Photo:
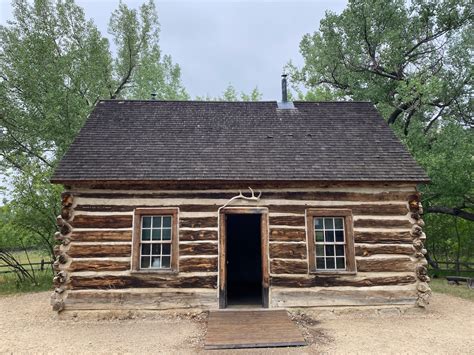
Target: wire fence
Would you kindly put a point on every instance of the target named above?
(43, 264)
(451, 268)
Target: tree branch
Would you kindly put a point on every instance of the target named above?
(394, 115)
(28, 150)
(455, 211)
(129, 72)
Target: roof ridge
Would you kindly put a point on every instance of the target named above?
(197, 101)
(236, 102)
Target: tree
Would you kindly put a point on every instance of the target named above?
(413, 60)
(54, 66)
(139, 68)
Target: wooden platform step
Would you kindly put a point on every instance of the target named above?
(251, 329)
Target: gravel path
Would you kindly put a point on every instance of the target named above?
(27, 325)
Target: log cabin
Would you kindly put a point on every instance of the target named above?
(187, 204)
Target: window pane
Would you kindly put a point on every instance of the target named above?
(156, 222)
(338, 224)
(320, 263)
(330, 263)
(340, 250)
(145, 234)
(339, 236)
(329, 236)
(166, 249)
(318, 223)
(156, 262)
(320, 250)
(145, 262)
(319, 236)
(165, 262)
(340, 264)
(145, 249)
(146, 222)
(166, 233)
(167, 222)
(329, 250)
(156, 234)
(156, 249)
(328, 223)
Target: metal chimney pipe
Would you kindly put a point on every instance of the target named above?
(284, 90)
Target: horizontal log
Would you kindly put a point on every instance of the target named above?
(106, 208)
(274, 195)
(331, 281)
(140, 299)
(360, 210)
(287, 250)
(198, 264)
(66, 213)
(67, 199)
(385, 264)
(278, 266)
(129, 208)
(198, 249)
(200, 222)
(88, 221)
(382, 223)
(144, 280)
(102, 250)
(383, 237)
(98, 265)
(298, 221)
(369, 250)
(212, 207)
(370, 296)
(187, 235)
(101, 236)
(236, 185)
(287, 235)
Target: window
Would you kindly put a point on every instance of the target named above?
(330, 240)
(155, 240)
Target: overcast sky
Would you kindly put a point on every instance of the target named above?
(220, 42)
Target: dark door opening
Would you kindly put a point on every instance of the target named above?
(244, 260)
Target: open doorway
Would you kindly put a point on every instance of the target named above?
(244, 260)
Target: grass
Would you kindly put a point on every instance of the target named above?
(9, 283)
(442, 286)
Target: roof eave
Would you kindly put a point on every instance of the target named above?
(198, 182)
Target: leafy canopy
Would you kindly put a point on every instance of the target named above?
(54, 66)
(412, 59)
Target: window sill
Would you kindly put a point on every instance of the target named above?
(329, 273)
(154, 272)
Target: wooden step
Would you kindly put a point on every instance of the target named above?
(251, 329)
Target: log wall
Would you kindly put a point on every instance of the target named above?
(93, 261)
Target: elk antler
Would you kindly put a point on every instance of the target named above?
(241, 196)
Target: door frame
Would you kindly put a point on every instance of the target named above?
(263, 212)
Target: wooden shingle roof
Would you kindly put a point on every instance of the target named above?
(195, 140)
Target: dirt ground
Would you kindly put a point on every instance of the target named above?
(27, 325)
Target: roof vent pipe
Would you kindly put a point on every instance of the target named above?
(284, 104)
(284, 90)
(153, 95)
